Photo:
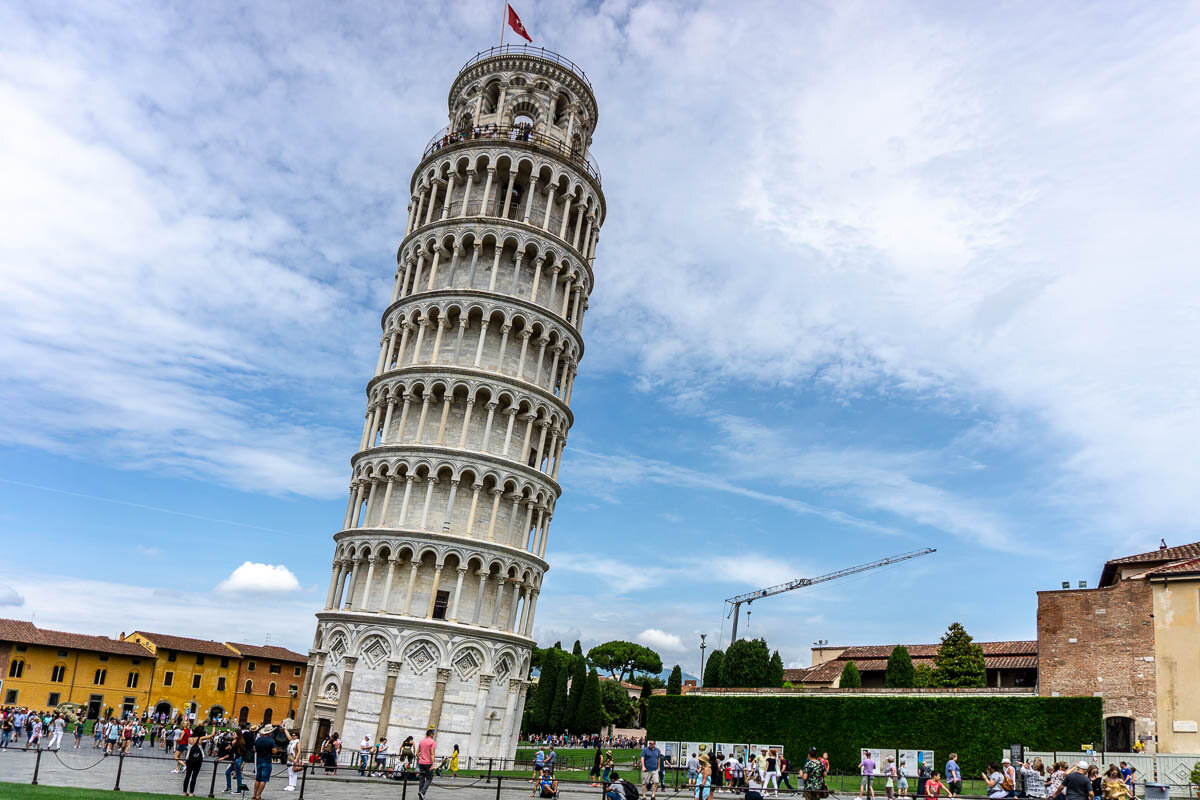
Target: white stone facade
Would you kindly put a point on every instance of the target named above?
(437, 570)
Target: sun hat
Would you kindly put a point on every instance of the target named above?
(1083, 765)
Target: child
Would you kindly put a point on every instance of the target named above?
(934, 787)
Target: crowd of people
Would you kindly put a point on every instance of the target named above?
(582, 740)
(520, 132)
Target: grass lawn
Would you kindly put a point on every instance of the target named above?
(23, 791)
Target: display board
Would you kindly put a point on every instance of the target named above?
(878, 754)
(699, 748)
(909, 761)
(733, 749)
(672, 750)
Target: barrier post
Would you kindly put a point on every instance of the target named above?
(303, 778)
(404, 788)
(120, 763)
(489, 775)
(499, 778)
(213, 783)
(37, 764)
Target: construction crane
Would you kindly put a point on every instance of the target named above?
(800, 583)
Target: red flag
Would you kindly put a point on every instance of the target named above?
(514, 22)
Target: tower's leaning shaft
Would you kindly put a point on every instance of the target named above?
(429, 615)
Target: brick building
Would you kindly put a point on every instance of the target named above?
(1009, 664)
(268, 683)
(1133, 640)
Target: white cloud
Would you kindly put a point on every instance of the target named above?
(660, 640)
(10, 596)
(260, 578)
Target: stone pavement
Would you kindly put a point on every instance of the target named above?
(86, 769)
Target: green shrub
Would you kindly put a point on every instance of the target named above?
(977, 728)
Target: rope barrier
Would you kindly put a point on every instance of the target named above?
(78, 769)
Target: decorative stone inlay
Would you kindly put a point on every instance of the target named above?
(467, 664)
(375, 651)
(503, 668)
(420, 658)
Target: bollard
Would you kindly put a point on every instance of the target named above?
(404, 788)
(213, 784)
(120, 763)
(499, 778)
(303, 778)
(489, 775)
(37, 764)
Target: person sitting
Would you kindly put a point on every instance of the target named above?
(547, 785)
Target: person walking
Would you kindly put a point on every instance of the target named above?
(1010, 777)
(867, 769)
(1075, 784)
(34, 737)
(785, 774)
(934, 786)
(649, 761)
(606, 771)
(1113, 786)
(57, 725)
(813, 776)
(180, 737)
(364, 755)
(381, 757)
(539, 763)
(426, 752)
(236, 756)
(703, 789)
(889, 773)
(264, 748)
(953, 775)
(995, 782)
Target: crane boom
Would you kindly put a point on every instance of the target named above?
(799, 583)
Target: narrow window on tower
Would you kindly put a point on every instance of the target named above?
(439, 605)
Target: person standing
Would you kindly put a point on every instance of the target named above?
(78, 731)
(551, 759)
(264, 748)
(953, 775)
(1010, 777)
(693, 770)
(35, 732)
(1035, 779)
(771, 774)
(934, 786)
(649, 761)
(539, 763)
(426, 752)
(597, 758)
(57, 726)
(194, 761)
(813, 776)
(995, 782)
(364, 755)
(867, 768)
(1075, 785)
(236, 756)
(295, 764)
(381, 756)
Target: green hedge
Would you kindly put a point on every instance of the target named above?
(977, 728)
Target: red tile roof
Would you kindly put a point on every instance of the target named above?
(187, 645)
(15, 630)
(996, 655)
(269, 651)
(1178, 567)
(1183, 552)
(929, 650)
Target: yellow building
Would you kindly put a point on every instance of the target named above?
(195, 676)
(42, 669)
(269, 683)
(1176, 590)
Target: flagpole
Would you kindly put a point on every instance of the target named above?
(503, 22)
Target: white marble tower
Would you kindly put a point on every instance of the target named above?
(437, 570)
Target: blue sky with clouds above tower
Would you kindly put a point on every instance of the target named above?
(873, 277)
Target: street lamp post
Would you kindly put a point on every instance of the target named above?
(703, 645)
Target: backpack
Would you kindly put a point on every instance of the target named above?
(195, 756)
(630, 790)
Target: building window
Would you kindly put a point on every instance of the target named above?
(10, 697)
(127, 706)
(131, 681)
(195, 681)
(268, 715)
(296, 671)
(16, 668)
(199, 659)
(293, 689)
(168, 678)
(53, 699)
(249, 666)
(20, 648)
(135, 661)
(104, 658)
(58, 674)
(249, 688)
(170, 655)
(221, 684)
(276, 669)
(62, 653)
(224, 663)
(101, 674)
(440, 604)
(271, 689)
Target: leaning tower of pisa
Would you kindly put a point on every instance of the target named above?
(437, 569)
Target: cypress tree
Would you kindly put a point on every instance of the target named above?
(712, 669)
(959, 661)
(775, 676)
(590, 717)
(851, 679)
(578, 683)
(642, 702)
(675, 682)
(558, 707)
(900, 674)
(543, 700)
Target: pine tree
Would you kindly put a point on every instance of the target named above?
(558, 708)
(851, 679)
(543, 701)
(712, 670)
(899, 673)
(959, 661)
(747, 664)
(775, 676)
(578, 682)
(675, 682)
(590, 717)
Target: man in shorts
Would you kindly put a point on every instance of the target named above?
(867, 767)
(813, 776)
(264, 748)
(426, 752)
(650, 759)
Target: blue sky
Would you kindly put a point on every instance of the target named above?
(873, 277)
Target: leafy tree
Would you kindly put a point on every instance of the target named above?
(646, 691)
(618, 708)
(578, 683)
(543, 698)
(559, 707)
(959, 661)
(775, 676)
(851, 679)
(712, 669)
(590, 716)
(747, 664)
(923, 676)
(675, 682)
(622, 659)
(655, 681)
(899, 674)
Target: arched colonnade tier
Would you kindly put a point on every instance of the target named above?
(517, 266)
(475, 179)
(515, 85)
(455, 582)
(476, 501)
(466, 338)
